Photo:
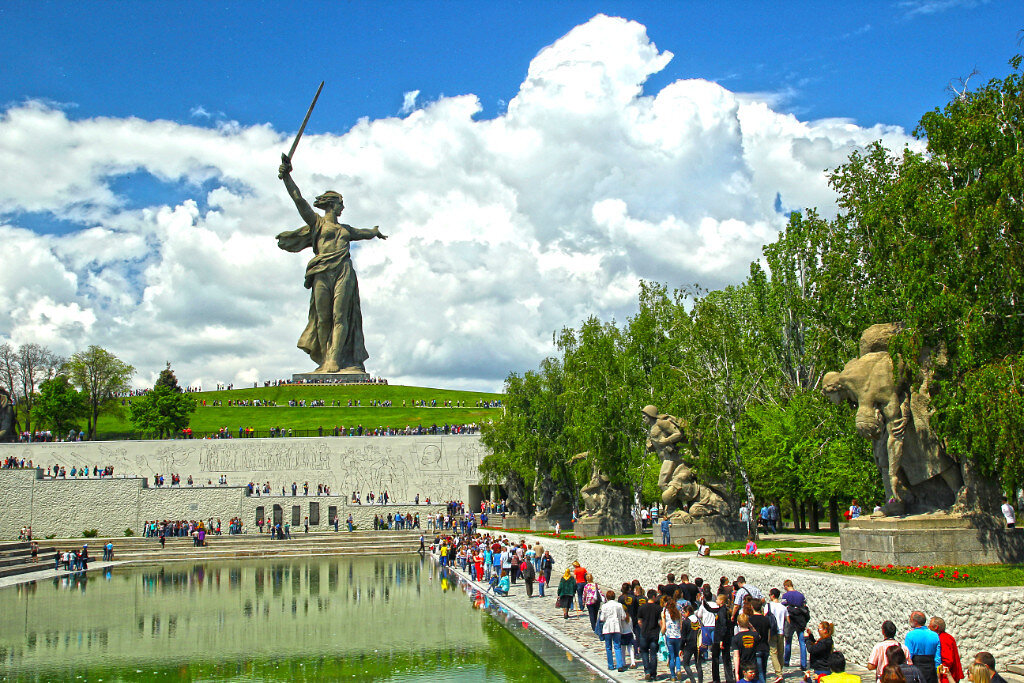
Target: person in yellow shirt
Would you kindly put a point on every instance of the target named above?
(837, 664)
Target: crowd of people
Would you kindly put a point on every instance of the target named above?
(12, 463)
(183, 528)
(62, 472)
(734, 629)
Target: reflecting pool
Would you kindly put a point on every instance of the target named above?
(364, 618)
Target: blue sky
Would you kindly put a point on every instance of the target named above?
(874, 62)
(530, 162)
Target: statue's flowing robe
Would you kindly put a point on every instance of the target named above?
(335, 268)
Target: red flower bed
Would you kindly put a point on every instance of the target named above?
(936, 574)
(645, 544)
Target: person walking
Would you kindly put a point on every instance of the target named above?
(581, 580)
(649, 618)
(1008, 513)
(691, 642)
(950, 653)
(613, 617)
(529, 573)
(878, 659)
(799, 615)
(924, 648)
(672, 629)
(592, 599)
(566, 592)
(778, 618)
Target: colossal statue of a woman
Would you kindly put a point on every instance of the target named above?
(333, 337)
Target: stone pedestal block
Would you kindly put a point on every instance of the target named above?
(934, 539)
(603, 526)
(515, 522)
(331, 377)
(547, 522)
(716, 529)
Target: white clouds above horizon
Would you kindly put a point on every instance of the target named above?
(501, 231)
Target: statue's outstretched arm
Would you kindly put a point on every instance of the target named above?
(365, 233)
(305, 210)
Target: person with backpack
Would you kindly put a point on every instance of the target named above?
(742, 592)
(799, 616)
(691, 642)
(529, 574)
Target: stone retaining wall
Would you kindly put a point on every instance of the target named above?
(67, 507)
(439, 467)
(989, 619)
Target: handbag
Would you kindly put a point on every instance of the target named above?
(662, 648)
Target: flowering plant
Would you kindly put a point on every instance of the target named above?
(936, 574)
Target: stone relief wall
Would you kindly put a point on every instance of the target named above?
(439, 467)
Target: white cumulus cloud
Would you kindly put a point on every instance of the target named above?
(501, 230)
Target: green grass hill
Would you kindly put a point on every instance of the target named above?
(306, 420)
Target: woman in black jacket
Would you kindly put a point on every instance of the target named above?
(819, 651)
(720, 641)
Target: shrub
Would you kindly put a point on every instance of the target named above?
(129, 532)
(91, 533)
(50, 536)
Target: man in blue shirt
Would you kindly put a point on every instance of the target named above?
(665, 536)
(923, 645)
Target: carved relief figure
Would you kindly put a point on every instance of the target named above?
(918, 475)
(676, 481)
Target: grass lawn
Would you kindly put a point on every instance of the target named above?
(716, 548)
(211, 418)
(962, 576)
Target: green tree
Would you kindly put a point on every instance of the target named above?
(59, 406)
(100, 375)
(168, 379)
(161, 410)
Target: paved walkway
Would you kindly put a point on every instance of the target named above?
(576, 636)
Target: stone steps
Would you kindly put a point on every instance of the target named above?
(148, 550)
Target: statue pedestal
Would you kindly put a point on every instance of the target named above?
(603, 525)
(331, 377)
(714, 529)
(515, 522)
(547, 523)
(932, 539)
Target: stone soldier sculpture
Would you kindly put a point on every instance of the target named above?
(676, 479)
(918, 474)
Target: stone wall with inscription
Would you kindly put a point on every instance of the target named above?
(439, 467)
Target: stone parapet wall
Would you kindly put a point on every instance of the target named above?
(979, 618)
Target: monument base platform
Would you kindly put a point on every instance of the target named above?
(603, 526)
(515, 522)
(715, 529)
(933, 539)
(547, 522)
(331, 377)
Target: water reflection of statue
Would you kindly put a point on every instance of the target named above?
(676, 479)
(333, 337)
